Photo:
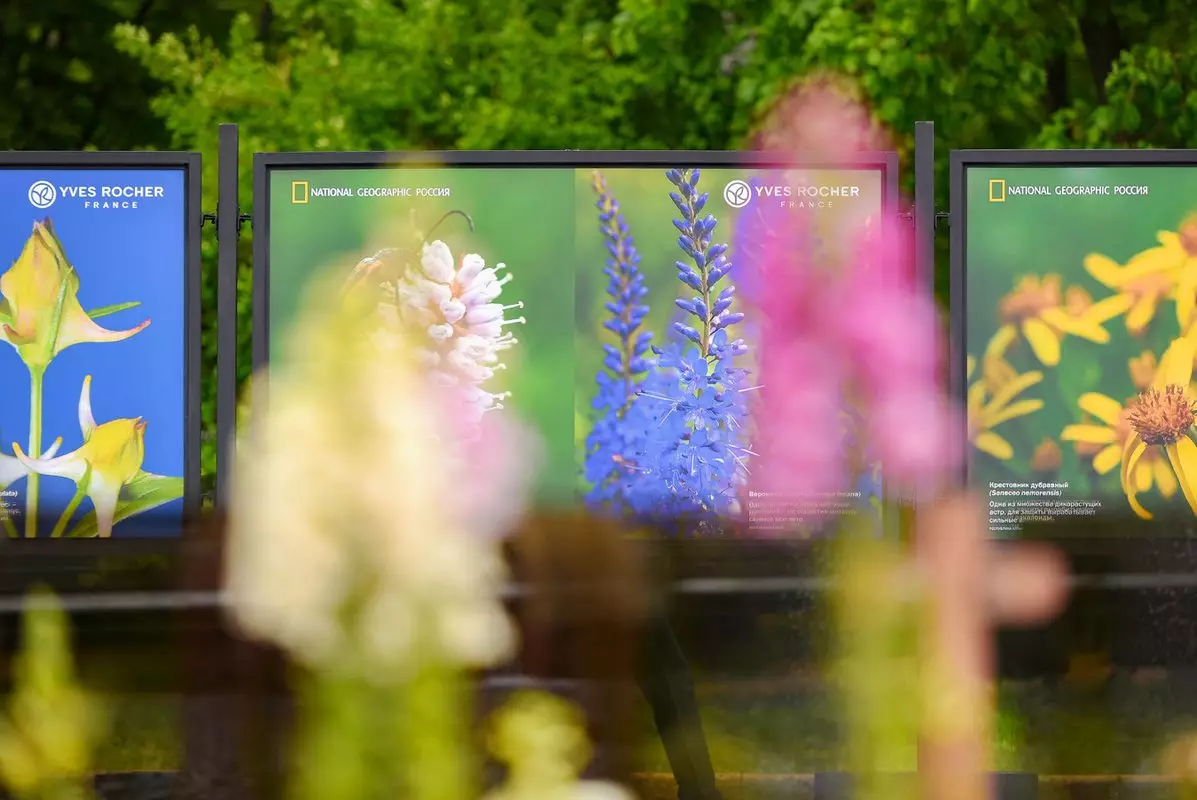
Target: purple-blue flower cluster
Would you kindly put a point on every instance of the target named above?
(676, 435)
(616, 442)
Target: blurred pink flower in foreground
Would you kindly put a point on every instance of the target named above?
(837, 333)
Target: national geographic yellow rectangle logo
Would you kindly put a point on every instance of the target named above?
(997, 190)
(299, 192)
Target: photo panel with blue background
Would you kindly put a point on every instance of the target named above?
(116, 238)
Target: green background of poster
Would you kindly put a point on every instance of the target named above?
(1037, 235)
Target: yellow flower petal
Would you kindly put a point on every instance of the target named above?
(1104, 408)
(970, 363)
(1143, 477)
(976, 401)
(1107, 308)
(1089, 434)
(998, 372)
(1165, 481)
(989, 442)
(1170, 239)
(1141, 314)
(1170, 254)
(40, 295)
(1013, 388)
(1107, 459)
(1012, 411)
(1043, 341)
(1186, 293)
(1103, 269)
(1183, 456)
(1001, 341)
(1131, 453)
(1176, 365)
(1075, 326)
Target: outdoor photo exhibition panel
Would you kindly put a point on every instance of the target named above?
(99, 317)
(1074, 276)
(557, 267)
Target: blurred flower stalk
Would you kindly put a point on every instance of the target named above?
(364, 542)
(858, 331)
(51, 727)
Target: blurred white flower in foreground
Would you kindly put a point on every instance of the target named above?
(363, 527)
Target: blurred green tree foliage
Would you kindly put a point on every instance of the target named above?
(620, 74)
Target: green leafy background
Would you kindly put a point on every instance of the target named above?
(1037, 235)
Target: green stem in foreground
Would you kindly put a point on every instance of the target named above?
(437, 732)
(333, 731)
(80, 493)
(37, 376)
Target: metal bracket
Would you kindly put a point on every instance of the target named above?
(943, 217)
(206, 219)
(241, 220)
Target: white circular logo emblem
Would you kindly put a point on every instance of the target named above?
(736, 194)
(42, 194)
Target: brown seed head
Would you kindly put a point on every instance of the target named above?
(1030, 297)
(1047, 456)
(1077, 301)
(1142, 369)
(1188, 234)
(1162, 417)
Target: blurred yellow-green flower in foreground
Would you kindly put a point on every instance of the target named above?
(109, 458)
(40, 313)
(1148, 278)
(47, 736)
(1163, 416)
(1036, 310)
(991, 401)
(542, 740)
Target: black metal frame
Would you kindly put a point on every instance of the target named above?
(924, 205)
(190, 164)
(961, 161)
(228, 235)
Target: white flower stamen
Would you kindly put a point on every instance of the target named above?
(454, 305)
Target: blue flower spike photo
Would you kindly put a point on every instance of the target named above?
(41, 316)
(669, 434)
(670, 342)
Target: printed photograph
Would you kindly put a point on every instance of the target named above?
(605, 307)
(1081, 285)
(665, 338)
(93, 323)
(480, 258)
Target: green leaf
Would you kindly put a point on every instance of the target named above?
(104, 311)
(145, 492)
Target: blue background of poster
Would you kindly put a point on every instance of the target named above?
(121, 255)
